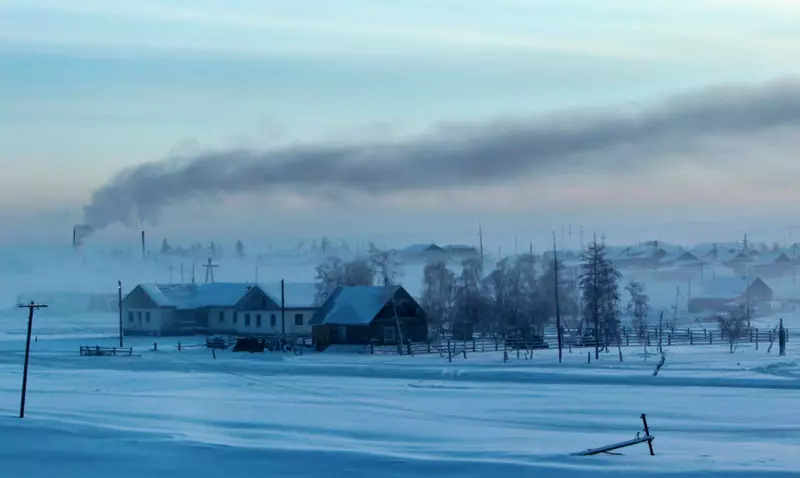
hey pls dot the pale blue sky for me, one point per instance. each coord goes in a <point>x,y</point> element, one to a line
<point>88,87</point>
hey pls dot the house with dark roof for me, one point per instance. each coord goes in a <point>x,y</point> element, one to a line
<point>361,315</point>
<point>422,252</point>
<point>219,308</point>
<point>724,294</point>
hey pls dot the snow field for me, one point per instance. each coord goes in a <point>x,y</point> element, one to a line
<point>185,414</point>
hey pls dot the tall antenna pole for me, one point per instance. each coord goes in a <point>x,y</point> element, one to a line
<point>119,297</point>
<point>558,311</point>
<point>144,255</point>
<point>31,307</point>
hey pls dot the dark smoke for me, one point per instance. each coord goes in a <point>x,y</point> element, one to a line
<point>605,140</point>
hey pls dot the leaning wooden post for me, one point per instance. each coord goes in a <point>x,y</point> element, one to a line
<point>647,433</point>
<point>781,340</point>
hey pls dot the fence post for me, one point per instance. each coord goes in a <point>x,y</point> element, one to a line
<point>473,344</point>
<point>756,338</point>
<point>691,339</point>
<point>781,340</point>
<point>751,334</point>
<point>589,357</point>
<point>669,338</point>
<point>179,346</point>
<point>429,346</point>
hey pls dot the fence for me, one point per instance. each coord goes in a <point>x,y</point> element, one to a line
<point>654,336</point>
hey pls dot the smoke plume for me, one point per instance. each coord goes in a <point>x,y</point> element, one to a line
<point>598,140</point>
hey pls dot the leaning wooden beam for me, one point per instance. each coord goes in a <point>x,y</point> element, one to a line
<point>615,446</point>
<point>647,438</point>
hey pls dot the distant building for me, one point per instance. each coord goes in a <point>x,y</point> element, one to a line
<point>361,315</point>
<point>724,294</point>
<point>218,308</point>
<point>458,251</point>
<point>422,252</point>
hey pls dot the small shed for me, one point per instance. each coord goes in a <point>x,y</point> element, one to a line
<point>360,315</point>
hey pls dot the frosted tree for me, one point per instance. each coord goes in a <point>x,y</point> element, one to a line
<point>638,307</point>
<point>600,292</point>
<point>240,249</point>
<point>567,302</point>
<point>330,275</point>
<point>733,325</point>
<point>357,272</point>
<point>165,247</point>
<point>471,304</point>
<point>439,290</point>
<point>385,265</point>
<point>325,246</point>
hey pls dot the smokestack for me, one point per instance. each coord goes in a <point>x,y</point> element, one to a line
<point>144,255</point>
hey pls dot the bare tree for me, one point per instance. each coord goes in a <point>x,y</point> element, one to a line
<point>330,275</point>
<point>385,265</point>
<point>733,325</point>
<point>358,272</point>
<point>439,292</point>
<point>638,307</point>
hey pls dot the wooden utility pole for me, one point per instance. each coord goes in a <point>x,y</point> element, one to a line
<point>283,308</point>
<point>119,298</point>
<point>480,239</point>
<point>170,268</point>
<point>31,307</point>
<point>596,311</point>
<point>210,270</point>
<point>558,312</point>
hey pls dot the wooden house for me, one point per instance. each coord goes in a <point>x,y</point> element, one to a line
<point>218,308</point>
<point>360,315</point>
<point>724,294</point>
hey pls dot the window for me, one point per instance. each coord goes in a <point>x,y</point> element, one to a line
<point>147,317</point>
<point>247,320</point>
<point>298,320</point>
<point>258,320</point>
<point>272,320</point>
<point>221,316</point>
<point>130,316</point>
<point>235,317</point>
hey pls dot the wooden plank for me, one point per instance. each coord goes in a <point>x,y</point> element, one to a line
<point>615,446</point>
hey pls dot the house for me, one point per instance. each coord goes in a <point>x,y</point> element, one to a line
<point>218,308</point>
<point>423,252</point>
<point>772,264</point>
<point>458,251</point>
<point>723,294</point>
<point>361,315</point>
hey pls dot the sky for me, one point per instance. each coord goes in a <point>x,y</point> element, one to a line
<point>89,90</point>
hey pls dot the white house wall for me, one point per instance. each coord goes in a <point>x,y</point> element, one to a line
<point>236,321</point>
<point>145,321</point>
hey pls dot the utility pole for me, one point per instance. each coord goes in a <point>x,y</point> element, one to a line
<point>480,238</point>
<point>283,308</point>
<point>210,270</point>
<point>170,268</point>
<point>595,257</point>
<point>31,307</point>
<point>119,297</point>
<point>558,312</point>
<point>181,272</point>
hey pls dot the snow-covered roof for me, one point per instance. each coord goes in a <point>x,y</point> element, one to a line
<point>296,294</point>
<point>197,296</point>
<point>772,258</point>
<point>419,248</point>
<point>354,305</point>
<point>727,288</point>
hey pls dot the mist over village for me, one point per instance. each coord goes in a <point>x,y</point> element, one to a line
<point>441,239</point>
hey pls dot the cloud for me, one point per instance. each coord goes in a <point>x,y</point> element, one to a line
<point>624,139</point>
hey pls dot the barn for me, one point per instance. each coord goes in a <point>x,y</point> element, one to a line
<point>723,294</point>
<point>218,308</point>
<point>362,315</point>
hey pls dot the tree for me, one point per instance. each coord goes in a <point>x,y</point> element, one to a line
<point>385,265</point>
<point>165,247</point>
<point>357,272</point>
<point>470,302</point>
<point>240,249</point>
<point>600,291</point>
<point>638,307</point>
<point>733,325</point>
<point>330,275</point>
<point>439,290</point>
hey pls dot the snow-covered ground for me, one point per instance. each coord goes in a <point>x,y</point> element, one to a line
<point>171,413</point>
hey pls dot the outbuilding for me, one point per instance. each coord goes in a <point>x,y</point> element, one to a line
<point>360,315</point>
